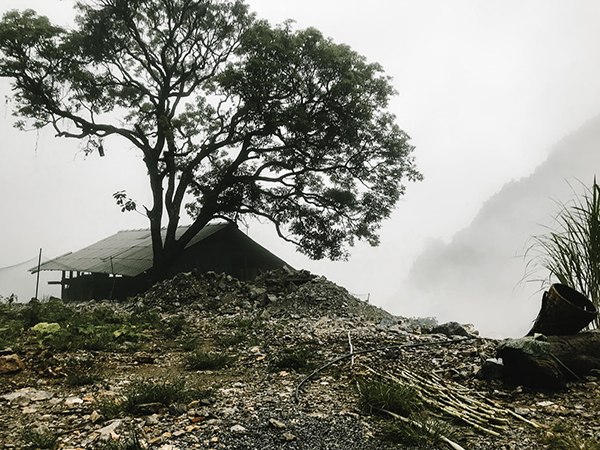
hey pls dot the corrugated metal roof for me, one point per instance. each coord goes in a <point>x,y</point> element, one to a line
<point>129,253</point>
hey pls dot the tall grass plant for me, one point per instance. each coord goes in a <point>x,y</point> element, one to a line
<point>570,249</point>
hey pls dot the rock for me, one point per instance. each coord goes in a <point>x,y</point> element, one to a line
<point>491,369</point>
<point>238,429</point>
<point>288,436</point>
<point>276,423</point>
<point>178,409</point>
<point>450,329</point>
<point>549,362</point>
<point>108,431</point>
<point>11,364</point>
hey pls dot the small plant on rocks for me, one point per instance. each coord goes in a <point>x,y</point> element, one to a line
<point>200,360</point>
<point>298,359</point>
<point>33,439</point>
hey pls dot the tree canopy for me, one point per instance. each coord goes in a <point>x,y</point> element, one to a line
<point>234,117</point>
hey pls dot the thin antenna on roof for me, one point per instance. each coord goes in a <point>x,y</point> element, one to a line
<point>37,282</point>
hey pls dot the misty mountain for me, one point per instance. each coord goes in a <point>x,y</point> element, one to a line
<point>476,277</point>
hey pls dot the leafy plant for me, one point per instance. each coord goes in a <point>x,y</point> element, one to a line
<point>570,250</point>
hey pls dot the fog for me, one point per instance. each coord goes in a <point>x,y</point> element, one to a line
<point>479,277</point>
<point>486,90</point>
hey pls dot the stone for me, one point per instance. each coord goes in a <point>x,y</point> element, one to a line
<point>238,429</point>
<point>178,409</point>
<point>108,431</point>
<point>11,364</point>
<point>276,423</point>
<point>450,329</point>
<point>491,369</point>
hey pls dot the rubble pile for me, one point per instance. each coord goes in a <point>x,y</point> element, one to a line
<point>281,292</point>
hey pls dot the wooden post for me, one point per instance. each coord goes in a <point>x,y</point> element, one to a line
<point>37,282</point>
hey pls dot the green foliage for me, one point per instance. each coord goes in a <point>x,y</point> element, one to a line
<point>243,118</point>
<point>377,395</point>
<point>200,360</point>
<point>56,325</point>
<point>570,250</point>
<point>36,440</point>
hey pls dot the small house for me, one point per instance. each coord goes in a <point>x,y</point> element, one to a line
<point>118,267</point>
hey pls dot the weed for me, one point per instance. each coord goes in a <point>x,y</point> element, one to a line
<point>133,443</point>
<point>233,339</point>
<point>149,391</point>
<point>109,407</point>
<point>298,359</point>
<point>190,343</point>
<point>378,395</point>
<point>82,379</point>
<point>37,440</point>
<point>200,360</point>
<point>175,326</point>
<point>422,432</point>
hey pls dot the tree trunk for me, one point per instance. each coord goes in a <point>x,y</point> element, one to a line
<point>551,363</point>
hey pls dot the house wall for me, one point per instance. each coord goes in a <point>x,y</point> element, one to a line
<point>228,251</point>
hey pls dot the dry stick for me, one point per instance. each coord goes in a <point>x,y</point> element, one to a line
<point>453,408</point>
<point>351,350</point>
<point>361,352</point>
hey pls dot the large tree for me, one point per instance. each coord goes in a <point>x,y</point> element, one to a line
<point>234,117</point>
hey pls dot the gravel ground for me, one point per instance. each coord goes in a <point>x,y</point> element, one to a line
<point>250,405</point>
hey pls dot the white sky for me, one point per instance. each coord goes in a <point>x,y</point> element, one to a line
<point>485,88</point>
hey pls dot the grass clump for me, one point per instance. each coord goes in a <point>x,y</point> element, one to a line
<point>420,432</point>
<point>150,391</point>
<point>145,391</point>
<point>82,379</point>
<point>300,359</point>
<point>200,360</point>
<point>132,443</point>
<point>381,395</point>
<point>33,440</point>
